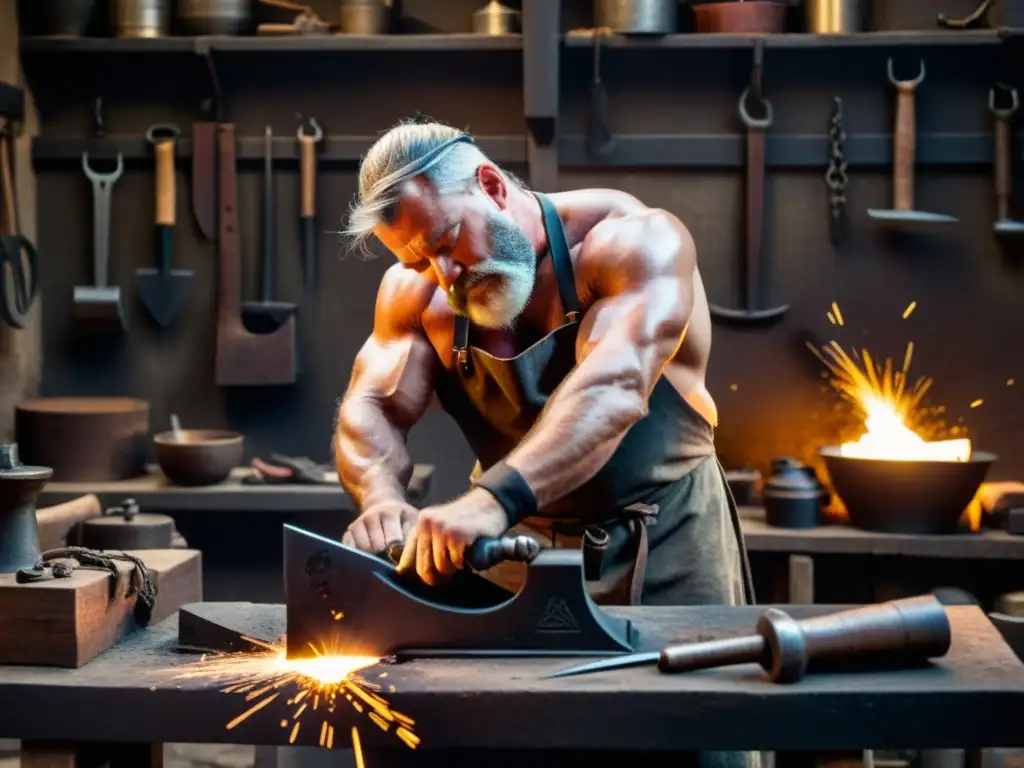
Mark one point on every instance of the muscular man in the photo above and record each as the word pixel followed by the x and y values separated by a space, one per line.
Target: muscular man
pixel 568 336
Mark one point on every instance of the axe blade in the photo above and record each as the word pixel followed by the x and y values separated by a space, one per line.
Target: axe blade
pixel 326 584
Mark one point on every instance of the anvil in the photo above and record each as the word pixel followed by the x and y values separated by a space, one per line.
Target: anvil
pixel 340 600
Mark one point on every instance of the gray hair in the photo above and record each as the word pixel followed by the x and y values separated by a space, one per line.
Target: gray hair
pixel 445 155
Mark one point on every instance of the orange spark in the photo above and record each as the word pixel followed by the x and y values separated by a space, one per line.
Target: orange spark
pixel 261 675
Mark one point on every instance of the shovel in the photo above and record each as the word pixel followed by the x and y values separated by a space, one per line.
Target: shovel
pixel 98 306
pixel 163 290
pixel 266 315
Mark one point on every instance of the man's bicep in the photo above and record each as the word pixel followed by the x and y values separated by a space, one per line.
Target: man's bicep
pixel 397 371
pixel 645 306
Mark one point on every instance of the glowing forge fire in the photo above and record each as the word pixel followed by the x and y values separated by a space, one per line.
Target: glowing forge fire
pixel 882 397
pixel 316 686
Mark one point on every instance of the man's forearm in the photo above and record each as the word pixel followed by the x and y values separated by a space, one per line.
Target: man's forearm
pixel 580 428
pixel 370 452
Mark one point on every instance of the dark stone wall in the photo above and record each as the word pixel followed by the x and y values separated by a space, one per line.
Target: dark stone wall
pixel 772 398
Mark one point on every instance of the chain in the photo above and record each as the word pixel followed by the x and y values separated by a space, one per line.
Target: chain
pixel 835 176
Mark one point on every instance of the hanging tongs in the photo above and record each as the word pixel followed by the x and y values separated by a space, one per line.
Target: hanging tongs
pixel 971 21
pixel 306 22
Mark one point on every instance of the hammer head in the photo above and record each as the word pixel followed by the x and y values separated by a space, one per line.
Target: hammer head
pixel 1008 227
pixel 99 307
pixel 908 218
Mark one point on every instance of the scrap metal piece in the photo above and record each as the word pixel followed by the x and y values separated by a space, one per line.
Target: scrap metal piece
pixel 344 601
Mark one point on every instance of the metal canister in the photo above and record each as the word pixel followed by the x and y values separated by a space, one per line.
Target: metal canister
pixel 637 17
pixel 140 18
pixel 213 17
pixel 495 19
pixel 123 527
pixel 365 17
pixel 834 17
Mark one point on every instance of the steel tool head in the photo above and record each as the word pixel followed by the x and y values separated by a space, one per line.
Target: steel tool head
pixel 164 293
pixel 748 316
pixel 910 218
pixel 262 317
pixel 1008 227
pixel 340 600
pixel 99 307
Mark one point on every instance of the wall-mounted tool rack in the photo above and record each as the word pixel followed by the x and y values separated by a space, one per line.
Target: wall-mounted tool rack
pixel 543 44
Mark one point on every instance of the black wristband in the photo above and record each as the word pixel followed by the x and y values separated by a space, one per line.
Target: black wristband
pixel 511 490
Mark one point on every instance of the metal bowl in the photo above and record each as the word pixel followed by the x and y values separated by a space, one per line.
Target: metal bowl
pixel 915 497
pixel 202 457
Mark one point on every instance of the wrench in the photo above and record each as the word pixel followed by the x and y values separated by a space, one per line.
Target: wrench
pixel 101 189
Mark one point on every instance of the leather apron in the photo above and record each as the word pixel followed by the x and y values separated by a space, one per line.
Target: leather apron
pixel 664 476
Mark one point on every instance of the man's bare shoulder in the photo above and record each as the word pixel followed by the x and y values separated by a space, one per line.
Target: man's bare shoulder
pixel 636 243
pixel 402 298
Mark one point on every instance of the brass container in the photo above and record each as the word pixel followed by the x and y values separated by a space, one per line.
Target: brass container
pixel 834 17
pixel 213 17
pixel 140 18
pixel 365 17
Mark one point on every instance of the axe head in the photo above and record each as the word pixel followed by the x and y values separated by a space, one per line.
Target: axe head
pixel 343 601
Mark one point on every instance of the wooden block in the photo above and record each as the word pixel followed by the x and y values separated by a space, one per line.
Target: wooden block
pixel 68 622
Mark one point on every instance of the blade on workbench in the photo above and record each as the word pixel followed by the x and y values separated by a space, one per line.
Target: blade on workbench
pixel 602 665
pixel 344 601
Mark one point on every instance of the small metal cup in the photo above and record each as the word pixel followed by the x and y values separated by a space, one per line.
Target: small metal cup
pixel 834 17
pixel 140 18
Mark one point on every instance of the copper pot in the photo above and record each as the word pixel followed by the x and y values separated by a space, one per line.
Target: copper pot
pixel 740 17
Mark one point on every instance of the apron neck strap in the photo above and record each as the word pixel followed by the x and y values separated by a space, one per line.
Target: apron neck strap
pixel 560 258
pixel 558 246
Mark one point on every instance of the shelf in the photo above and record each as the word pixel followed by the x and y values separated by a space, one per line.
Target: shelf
pixel 255 44
pixel 667 151
pixel 155 494
pixel 781 151
pixel 509 150
pixel 923 38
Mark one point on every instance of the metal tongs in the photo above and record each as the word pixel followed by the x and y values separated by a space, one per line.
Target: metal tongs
pixel 306 22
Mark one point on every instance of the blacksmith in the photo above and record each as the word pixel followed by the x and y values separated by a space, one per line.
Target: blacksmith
pixel 568 336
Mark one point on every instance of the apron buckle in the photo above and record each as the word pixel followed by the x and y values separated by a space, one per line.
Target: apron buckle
pixel 462 359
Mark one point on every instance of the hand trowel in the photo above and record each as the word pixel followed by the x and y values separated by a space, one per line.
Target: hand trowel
pixel 163 290
pixel 267 315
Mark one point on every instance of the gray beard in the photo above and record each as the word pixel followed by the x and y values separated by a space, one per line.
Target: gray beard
pixel 508 276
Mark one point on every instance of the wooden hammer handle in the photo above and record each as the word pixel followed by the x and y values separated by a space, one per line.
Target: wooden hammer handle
pixel 165 191
pixel 905 149
pixel 56 522
pixel 307 175
pixel 1004 168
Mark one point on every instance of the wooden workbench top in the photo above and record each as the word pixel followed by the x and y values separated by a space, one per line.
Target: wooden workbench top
pixel 839 539
pixel 972 697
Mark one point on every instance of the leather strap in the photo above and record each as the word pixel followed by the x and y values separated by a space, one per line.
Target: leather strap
pixel 737 527
pixel 642 515
pixel 596 539
pixel 558 246
pixel 755 214
pixel 511 490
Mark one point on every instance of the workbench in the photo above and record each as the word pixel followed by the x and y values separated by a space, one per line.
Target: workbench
pixel 491 709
